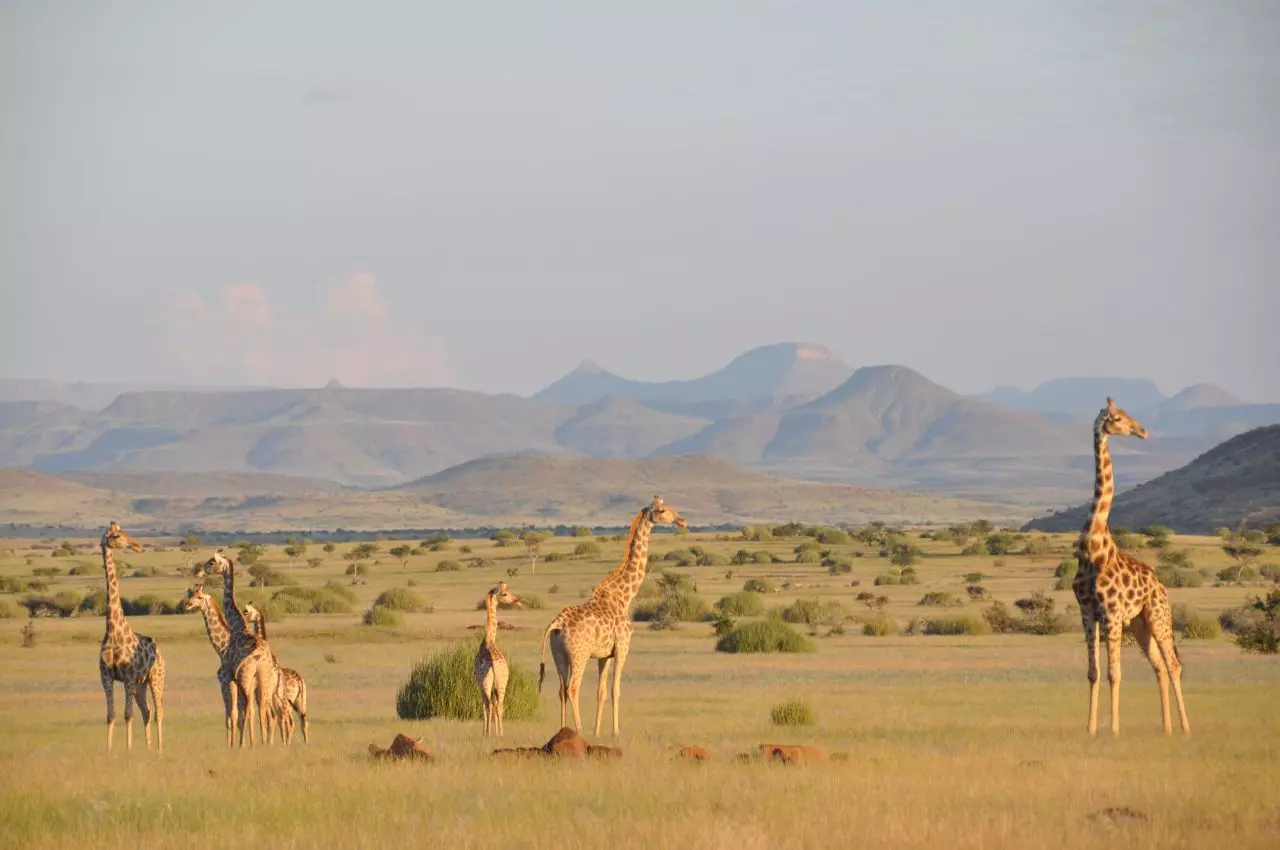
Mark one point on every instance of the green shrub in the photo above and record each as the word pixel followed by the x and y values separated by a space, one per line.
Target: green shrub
pixel 357 570
pixel 792 713
pixel 723 625
pixel 264 576
pixel 8 610
pixel 1200 627
pixel 404 599
pixel 1037 617
pixel 1179 577
pixel 671 582
pixel 532 601
pixel 879 626
pixel 681 606
pixel 587 549
pixel 1237 573
pixel 681 557
pixel 274 612
pixel 330 599
pixel 977 593
pixel 1066 574
pixel 906 575
pixel 1263 635
pixel 838 565
pixel 1179 558
pixel 758 585
pixel 811 612
pixel 379 616
pixel 9 584
pixel 95 603
pixel 741 604
pixel 764 557
pixel 712 559
pixel 443 685
pixel 833 537
pixel 808 556
pixel 973 578
pixel 764 636
pixel 448 566
pixel 147 604
pixel 958 624
pixel 939 598
pixel 46 572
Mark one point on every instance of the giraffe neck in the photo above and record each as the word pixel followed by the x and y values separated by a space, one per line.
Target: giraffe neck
pixel 1096 533
pixel 235 620
pixel 117 625
pixel 216 625
pixel 490 621
pixel 259 626
pixel 624 582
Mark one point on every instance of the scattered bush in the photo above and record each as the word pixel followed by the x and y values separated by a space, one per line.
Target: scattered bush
pixel 906 575
pixel 712 559
pixel 758 585
pixel 672 582
pixel 144 605
pixel 8 610
pixel 554 557
pixel 939 598
pixel 764 636
pixel 587 549
pixel 741 604
pixel 809 556
pixel 879 626
pixel 330 599
pixel 1238 573
pixel 357 570
pixel 811 612
pixel 1037 617
pixel 957 624
pixel 977 593
pixel 681 557
pixel 680 605
pixel 792 713
pixel 723 625
pixel 404 599
pixel 379 616
pixel 444 685
pixel 46 572
pixel 1263 635
pixel 1200 627
pixel 448 566
pixel 9 584
pixel 1179 577
pixel 264 576
pixel 973 578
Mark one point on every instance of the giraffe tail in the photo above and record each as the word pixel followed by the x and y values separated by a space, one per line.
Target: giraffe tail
pixel 542 656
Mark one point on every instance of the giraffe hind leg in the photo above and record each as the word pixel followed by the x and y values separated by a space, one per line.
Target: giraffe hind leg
pixel 128 715
pixel 140 694
pixel 602 690
pixel 1161 628
pixel 156 680
pixel 109 688
pixel 1141 630
pixel 1115 636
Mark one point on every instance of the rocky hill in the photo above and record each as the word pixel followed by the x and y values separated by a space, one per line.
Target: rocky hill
pixel 1237 479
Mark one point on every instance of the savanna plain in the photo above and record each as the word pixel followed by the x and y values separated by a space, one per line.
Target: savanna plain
pixel 965 740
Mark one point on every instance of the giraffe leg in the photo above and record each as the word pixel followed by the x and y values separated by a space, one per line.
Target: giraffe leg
pixel 300 705
pixel 1147 643
pixel 617 685
pixel 497 709
pixel 602 690
pixel 109 688
pixel 1162 630
pixel 228 709
pixel 140 694
pixel 484 708
pixel 577 670
pixel 1091 640
pixel 1115 634
pixel 156 682
pixel 128 716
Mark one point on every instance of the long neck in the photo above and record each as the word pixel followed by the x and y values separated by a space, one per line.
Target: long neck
pixel 235 620
pixel 625 581
pixel 115 612
pixel 259 626
pixel 216 625
pixel 1096 533
pixel 490 620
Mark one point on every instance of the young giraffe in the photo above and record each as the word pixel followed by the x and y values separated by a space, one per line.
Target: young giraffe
pixel 292 690
pixel 220 638
pixel 132 659
pixel 1116 590
pixel 601 627
pixel 491 667
pixel 254 671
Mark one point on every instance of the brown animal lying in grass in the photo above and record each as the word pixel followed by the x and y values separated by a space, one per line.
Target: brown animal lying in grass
pixel 692 753
pixel 563 744
pixel 402 748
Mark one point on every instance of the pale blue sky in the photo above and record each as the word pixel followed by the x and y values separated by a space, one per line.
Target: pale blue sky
pixel 482 194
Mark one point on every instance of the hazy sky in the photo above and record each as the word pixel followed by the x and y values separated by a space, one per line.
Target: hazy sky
pixel 482 194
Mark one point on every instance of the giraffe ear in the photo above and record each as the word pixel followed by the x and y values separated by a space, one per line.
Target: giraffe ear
pixel 1111 404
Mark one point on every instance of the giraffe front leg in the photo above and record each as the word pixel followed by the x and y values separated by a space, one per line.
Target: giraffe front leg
pixel 602 691
pixel 128 717
pixel 577 670
pixel 109 688
pixel 140 694
pixel 1091 640
pixel 1115 634
pixel 617 686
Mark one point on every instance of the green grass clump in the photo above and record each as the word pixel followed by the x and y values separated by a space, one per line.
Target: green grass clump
pixel 443 685
pixel 404 599
pixel 741 604
pixel 758 585
pixel 764 636
pixel 144 605
pixel 940 599
pixel 9 611
pixel 1179 577
pixel 793 713
pixel 681 606
pixel 448 566
pixel 879 627
pixel 1200 627
pixel 959 624
pixel 380 616
pixel 10 584
pixel 313 600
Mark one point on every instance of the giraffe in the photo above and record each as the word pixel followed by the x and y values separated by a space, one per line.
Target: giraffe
pixel 132 659
pixel 491 667
pixel 600 628
pixel 292 690
pixel 254 671
pixel 220 638
pixel 1116 590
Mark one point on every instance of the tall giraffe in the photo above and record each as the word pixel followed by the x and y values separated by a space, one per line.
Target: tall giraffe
pixel 132 659
pixel 292 690
pixel 492 671
pixel 601 627
pixel 220 638
pixel 254 671
pixel 1116 590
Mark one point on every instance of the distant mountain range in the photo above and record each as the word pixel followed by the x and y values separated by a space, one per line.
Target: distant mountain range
pixel 792 410
pixel 1239 479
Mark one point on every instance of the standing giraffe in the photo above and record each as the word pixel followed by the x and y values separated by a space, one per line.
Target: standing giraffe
pixel 254 671
pixel 220 638
pixel 1116 590
pixel 292 690
pixel 601 627
pixel 132 659
pixel 491 667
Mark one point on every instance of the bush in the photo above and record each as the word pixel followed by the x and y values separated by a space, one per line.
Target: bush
pixel 46 572
pixel 1263 635
pixel 147 604
pixel 357 570
pixel 264 576
pixel 793 713
pixel 9 584
pixel 879 626
pixel 723 625
pixel 1037 617
pixel 809 556
pixel 330 599
pixel 763 557
pixel 443 685
pixel 1177 558
pixel 8 610
pixel 448 566
pixel 1238 573
pixel 681 605
pixel 741 604
pixel 95 603
pixel 973 578
pixel 1179 577
pixel 833 537
pixel 587 549
pixel 1200 627
pixel 758 585
pixel 977 593
pixel 811 612
pixel 681 557
pixel 896 576
pixel 958 624
pixel 379 616
pixel 939 598
pixel 712 559
pixel 764 636
pixel 404 599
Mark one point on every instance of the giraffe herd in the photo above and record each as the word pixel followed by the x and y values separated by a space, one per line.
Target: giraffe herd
pixel 1116 592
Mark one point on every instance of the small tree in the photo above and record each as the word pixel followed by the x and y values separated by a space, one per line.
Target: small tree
pixel 1157 535
pixel 1243 546
pixel 588 549
pixel 533 545
pixel 581 531
pixel 292 552
pixel 904 555
pixel 401 553
pixel 503 537
pixel 329 548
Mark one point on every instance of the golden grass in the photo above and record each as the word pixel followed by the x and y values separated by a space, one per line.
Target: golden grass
pixel 961 742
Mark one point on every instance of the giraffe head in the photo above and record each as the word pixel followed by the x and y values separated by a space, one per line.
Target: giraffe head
pixel 217 564
pixel 502 595
pixel 116 538
pixel 196 598
pixel 1114 421
pixel 660 513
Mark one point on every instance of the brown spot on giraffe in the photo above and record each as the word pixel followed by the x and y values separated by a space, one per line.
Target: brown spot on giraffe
pixel 1104 611
pixel 600 628
pixel 132 659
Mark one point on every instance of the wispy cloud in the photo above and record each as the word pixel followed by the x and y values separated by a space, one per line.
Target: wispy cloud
pixel 243 336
